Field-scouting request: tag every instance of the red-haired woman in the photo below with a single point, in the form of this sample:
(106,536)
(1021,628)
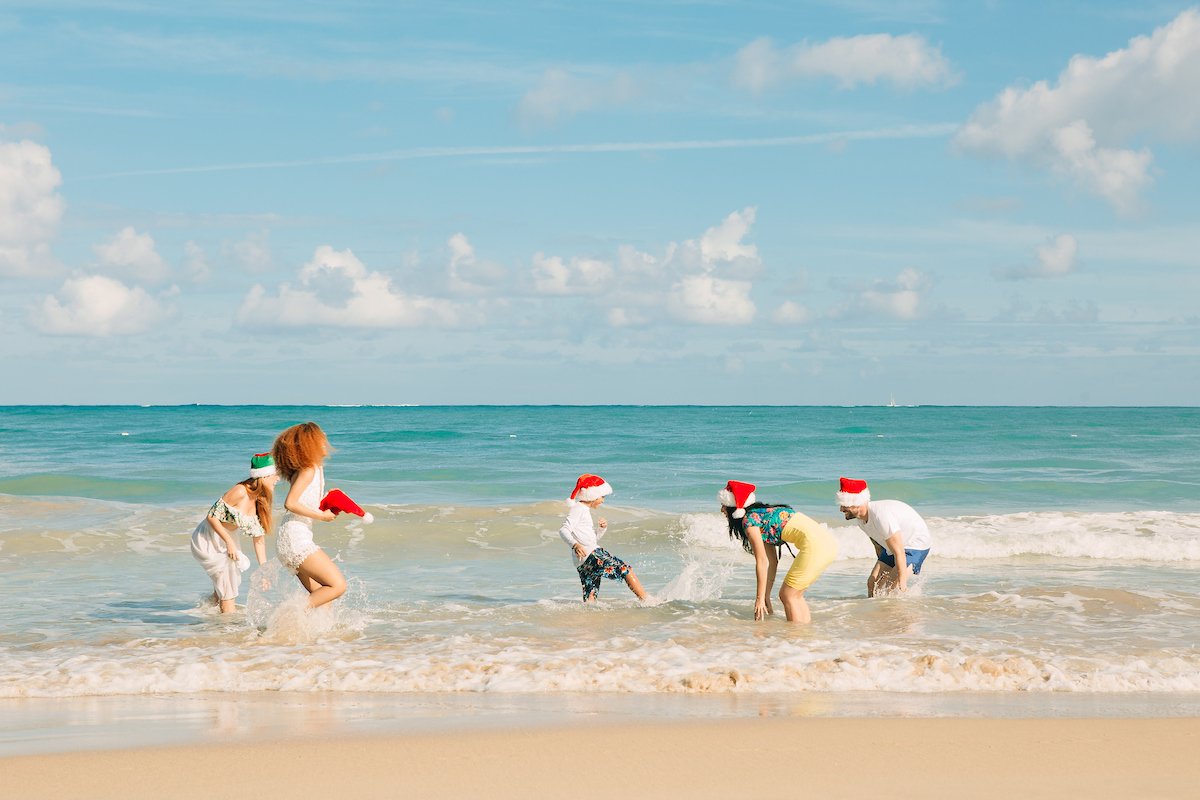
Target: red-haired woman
(300,451)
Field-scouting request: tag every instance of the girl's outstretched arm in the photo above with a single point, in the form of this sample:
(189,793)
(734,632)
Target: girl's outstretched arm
(303,478)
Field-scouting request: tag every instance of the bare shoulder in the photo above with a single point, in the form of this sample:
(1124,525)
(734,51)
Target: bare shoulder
(235,495)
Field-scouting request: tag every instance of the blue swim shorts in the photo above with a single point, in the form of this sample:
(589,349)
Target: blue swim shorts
(915,559)
(600,564)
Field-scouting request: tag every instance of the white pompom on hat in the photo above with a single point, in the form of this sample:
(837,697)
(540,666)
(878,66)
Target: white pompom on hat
(737,495)
(589,488)
(853,493)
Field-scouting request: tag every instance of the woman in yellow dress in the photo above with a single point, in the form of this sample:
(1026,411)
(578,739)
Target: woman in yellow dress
(763,529)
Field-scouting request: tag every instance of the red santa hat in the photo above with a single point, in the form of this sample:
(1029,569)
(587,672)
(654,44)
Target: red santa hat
(338,501)
(589,488)
(737,495)
(853,493)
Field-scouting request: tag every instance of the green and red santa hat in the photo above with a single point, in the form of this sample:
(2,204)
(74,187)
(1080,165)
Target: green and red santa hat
(589,488)
(737,495)
(853,493)
(262,465)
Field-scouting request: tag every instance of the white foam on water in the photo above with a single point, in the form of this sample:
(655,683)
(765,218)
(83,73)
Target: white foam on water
(623,664)
(277,606)
(1128,536)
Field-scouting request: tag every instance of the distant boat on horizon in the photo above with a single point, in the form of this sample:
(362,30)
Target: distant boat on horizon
(891,403)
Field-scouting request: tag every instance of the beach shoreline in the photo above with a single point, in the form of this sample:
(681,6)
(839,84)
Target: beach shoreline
(980,758)
(47,725)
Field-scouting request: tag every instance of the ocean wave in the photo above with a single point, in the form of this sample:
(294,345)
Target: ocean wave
(1154,536)
(42,524)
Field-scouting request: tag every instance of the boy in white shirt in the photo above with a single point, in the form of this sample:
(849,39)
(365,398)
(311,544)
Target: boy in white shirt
(593,562)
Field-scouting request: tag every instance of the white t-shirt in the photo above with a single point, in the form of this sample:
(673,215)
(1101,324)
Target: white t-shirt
(579,529)
(886,518)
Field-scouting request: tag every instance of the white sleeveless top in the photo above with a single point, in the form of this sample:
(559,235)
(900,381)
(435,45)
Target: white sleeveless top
(311,497)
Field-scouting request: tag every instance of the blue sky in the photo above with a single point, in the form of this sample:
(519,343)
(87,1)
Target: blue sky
(611,202)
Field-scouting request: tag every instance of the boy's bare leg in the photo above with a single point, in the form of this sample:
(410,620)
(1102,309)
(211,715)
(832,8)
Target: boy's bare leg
(635,585)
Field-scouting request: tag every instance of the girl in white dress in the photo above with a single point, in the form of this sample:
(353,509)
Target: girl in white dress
(299,453)
(245,508)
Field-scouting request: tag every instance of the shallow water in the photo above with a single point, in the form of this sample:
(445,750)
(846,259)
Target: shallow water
(1065,561)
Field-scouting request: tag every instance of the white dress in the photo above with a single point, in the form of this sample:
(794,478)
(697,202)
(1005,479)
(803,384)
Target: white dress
(295,540)
(209,549)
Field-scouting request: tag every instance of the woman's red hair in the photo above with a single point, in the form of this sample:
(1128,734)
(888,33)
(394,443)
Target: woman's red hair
(299,447)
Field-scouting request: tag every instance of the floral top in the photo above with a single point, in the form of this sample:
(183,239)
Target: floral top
(770,521)
(223,512)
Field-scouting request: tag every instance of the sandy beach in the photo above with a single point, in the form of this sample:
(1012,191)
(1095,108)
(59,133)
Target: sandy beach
(1032,758)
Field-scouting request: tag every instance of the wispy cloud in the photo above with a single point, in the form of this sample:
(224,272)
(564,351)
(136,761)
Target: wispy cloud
(919,131)
(1055,259)
(907,61)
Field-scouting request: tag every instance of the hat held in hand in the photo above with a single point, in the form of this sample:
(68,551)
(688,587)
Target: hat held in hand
(338,501)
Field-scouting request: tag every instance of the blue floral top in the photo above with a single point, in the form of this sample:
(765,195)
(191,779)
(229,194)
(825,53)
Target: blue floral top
(770,521)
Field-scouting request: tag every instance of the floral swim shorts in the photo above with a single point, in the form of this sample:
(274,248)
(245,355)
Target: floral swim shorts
(600,564)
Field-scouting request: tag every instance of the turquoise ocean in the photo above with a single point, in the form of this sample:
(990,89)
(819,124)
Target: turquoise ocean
(1065,570)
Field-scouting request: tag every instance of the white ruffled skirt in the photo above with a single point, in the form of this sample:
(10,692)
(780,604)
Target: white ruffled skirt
(209,549)
(294,543)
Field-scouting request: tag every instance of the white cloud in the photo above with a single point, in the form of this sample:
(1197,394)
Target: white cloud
(132,254)
(252,253)
(900,299)
(907,61)
(701,280)
(97,305)
(30,207)
(791,313)
(634,262)
(1055,258)
(1088,126)
(721,247)
(466,273)
(711,301)
(560,93)
(698,280)
(462,254)
(1058,257)
(335,289)
(195,264)
(724,242)
(553,275)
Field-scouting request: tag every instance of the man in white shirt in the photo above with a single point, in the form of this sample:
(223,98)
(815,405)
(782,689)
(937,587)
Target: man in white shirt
(899,534)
